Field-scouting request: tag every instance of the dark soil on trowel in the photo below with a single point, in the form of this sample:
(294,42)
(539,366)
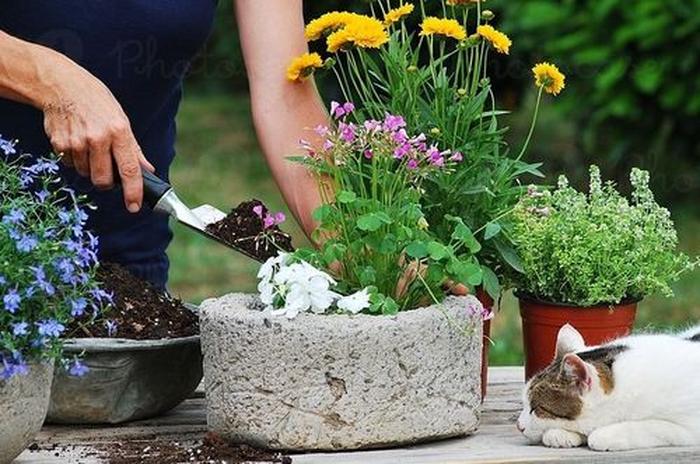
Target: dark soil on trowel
(244,229)
(140,311)
(212,449)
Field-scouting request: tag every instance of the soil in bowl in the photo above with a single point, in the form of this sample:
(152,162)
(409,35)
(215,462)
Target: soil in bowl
(140,311)
(244,228)
(212,449)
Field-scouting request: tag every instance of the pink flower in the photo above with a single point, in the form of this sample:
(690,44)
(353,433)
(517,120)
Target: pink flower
(400,136)
(457,157)
(338,110)
(258,210)
(328,144)
(280,218)
(393,123)
(419,139)
(321,130)
(402,151)
(439,161)
(369,154)
(372,125)
(412,164)
(268,221)
(432,153)
(347,132)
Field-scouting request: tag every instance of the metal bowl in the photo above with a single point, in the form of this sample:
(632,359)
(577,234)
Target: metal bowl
(128,380)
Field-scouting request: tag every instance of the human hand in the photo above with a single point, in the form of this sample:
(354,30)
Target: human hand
(87,125)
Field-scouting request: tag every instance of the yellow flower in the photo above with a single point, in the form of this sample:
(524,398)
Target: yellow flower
(395,15)
(549,77)
(444,27)
(303,66)
(328,22)
(498,39)
(361,31)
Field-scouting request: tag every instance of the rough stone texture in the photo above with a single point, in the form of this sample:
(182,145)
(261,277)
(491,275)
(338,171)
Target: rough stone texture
(24,401)
(335,382)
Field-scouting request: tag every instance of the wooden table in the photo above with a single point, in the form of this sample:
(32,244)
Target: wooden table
(497,440)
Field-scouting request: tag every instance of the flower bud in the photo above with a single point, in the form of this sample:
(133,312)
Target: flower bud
(435,131)
(461,92)
(423,224)
(487,15)
(329,63)
(412,68)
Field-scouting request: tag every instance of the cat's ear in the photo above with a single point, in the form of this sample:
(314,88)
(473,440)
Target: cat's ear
(569,340)
(577,370)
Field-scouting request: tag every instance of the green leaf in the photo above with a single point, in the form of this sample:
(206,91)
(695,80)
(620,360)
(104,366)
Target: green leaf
(490,282)
(367,276)
(465,235)
(369,222)
(322,213)
(437,251)
(492,229)
(389,306)
(388,244)
(417,250)
(345,196)
(509,255)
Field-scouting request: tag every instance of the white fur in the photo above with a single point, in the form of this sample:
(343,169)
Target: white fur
(655,400)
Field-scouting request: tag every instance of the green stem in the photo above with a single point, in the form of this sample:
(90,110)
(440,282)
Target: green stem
(532,126)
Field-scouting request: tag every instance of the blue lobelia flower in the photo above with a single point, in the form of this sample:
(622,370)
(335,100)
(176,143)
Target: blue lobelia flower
(78,307)
(12,300)
(66,269)
(20,328)
(41,281)
(11,366)
(15,216)
(7,147)
(78,369)
(26,243)
(3,280)
(112,328)
(50,328)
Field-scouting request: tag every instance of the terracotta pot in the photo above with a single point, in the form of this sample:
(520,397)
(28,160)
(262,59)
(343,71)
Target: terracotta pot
(542,321)
(488,303)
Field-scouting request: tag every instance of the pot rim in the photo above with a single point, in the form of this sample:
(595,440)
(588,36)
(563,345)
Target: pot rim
(73,345)
(525,296)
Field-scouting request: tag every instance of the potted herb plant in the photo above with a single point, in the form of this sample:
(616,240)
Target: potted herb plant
(436,76)
(355,344)
(47,264)
(588,259)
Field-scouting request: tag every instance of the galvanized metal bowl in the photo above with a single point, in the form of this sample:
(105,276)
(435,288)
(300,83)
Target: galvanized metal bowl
(128,380)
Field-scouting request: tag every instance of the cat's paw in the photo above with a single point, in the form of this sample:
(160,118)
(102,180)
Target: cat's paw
(608,439)
(559,438)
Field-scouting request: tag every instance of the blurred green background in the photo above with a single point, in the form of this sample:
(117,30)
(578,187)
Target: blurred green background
(632,99)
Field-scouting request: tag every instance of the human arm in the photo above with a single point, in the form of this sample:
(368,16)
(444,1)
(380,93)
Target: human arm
(82,118)
(272,33)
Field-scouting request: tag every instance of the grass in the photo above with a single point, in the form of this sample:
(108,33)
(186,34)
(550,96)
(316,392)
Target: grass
(219,163)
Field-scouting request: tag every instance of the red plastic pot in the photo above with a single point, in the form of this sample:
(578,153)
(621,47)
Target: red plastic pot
(488,303)
(542,321)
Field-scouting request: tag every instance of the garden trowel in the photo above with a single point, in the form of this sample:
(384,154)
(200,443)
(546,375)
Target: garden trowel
(161,197)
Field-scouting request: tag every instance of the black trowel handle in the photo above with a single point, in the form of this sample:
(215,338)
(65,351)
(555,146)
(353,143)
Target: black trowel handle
(153,188)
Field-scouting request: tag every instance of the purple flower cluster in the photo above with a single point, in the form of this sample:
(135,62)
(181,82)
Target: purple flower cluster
(269,220)
(386,137)
(48,278)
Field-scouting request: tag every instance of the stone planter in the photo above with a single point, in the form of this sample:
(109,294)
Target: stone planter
(333,382)
(128,380)
(24,401)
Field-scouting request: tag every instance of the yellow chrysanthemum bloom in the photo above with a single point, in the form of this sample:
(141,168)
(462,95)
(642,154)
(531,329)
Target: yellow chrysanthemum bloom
(303,66)
(498,39)
(328,22)
(444,27)
(549,78)
(361,31)
(395,15)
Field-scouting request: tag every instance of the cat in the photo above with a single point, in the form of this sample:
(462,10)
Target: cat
(640,391)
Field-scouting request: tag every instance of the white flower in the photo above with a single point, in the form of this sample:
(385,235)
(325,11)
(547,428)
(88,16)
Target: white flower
(355,303)
(300,286)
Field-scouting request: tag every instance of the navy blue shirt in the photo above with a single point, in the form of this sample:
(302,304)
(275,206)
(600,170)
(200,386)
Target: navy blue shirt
(140,49)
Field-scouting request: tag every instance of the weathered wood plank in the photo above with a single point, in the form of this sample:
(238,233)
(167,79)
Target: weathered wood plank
(496,442)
